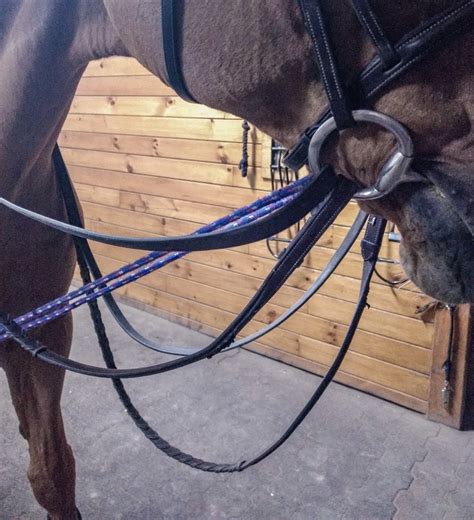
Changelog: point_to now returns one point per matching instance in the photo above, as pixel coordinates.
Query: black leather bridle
(324, 197)
(391, 61)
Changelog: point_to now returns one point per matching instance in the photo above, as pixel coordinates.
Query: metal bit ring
(395, 171)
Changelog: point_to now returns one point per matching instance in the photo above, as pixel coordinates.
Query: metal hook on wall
(280, 176)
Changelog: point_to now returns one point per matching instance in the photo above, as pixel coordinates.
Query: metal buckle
(395, 171)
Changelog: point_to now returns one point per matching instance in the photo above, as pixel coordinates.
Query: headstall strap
(414, 47)
(388, 54)
(316, 23)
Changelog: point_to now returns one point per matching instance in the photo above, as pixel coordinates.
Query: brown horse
(253, 59)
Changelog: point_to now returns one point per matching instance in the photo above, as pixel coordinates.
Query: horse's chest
(35, 262)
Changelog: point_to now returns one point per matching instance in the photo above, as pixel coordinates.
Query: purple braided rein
(149, 263)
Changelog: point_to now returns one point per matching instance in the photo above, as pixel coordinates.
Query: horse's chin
(445, 277)
(437, 248)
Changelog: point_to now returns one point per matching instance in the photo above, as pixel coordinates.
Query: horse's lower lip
(441, 281)
(455, 183)
(436, 221)
(437, 250)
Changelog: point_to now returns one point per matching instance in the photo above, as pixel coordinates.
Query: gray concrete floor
(355, 457)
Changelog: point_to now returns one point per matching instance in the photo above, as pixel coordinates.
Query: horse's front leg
(36, 392)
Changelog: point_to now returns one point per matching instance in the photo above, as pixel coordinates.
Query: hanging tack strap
(446, 390)
(244, 163)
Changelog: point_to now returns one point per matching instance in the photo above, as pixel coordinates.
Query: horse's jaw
(437, 247)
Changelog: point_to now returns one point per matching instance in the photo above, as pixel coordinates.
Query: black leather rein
(310, 196)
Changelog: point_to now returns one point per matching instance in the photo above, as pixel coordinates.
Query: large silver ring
(395, 171)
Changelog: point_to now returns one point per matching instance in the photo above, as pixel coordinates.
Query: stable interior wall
(146, 163)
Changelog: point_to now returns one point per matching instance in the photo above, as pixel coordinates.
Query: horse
(252, 59)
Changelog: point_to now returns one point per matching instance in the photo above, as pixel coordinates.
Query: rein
(321, 195)
(370, 248)
(327, 211)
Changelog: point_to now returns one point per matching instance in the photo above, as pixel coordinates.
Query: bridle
(322, 196)
(391, 61)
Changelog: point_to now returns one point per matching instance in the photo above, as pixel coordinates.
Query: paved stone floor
(355, 457)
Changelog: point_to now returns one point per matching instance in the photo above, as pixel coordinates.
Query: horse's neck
(255, 59)
(236, 56)
(44, 47)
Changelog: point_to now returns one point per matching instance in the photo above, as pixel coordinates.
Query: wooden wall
(146, 163)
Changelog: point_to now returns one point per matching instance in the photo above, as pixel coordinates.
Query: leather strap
(412, 48)
(171, 15)
(316, 23)
(84, 250)
(370, 247)
(331, 266)
(86, 257)
(285, 266)
(290, 260)
(368, 20)
(311, 195)
(417, 46)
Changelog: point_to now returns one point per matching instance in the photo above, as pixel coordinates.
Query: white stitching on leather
(438, 22)
(313, 37)
(427, 29)
(395, 73)
(326, 44)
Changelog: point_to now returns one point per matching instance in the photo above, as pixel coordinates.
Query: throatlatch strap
(171, 14)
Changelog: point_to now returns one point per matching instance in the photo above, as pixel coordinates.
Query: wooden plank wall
(146, 163)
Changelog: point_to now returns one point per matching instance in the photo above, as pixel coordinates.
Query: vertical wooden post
(460, 413)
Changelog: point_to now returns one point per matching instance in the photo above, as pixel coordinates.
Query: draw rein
(322, 195)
